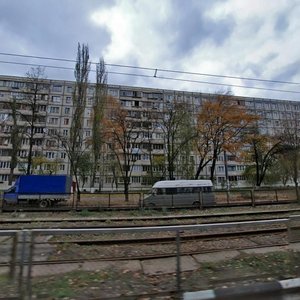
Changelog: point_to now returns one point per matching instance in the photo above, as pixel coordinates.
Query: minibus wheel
(196, 204)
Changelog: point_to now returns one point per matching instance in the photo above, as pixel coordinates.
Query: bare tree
(35, 91)
(75, 144)
(97, 118)
(16, 135)
(261, 153)
(176, 120)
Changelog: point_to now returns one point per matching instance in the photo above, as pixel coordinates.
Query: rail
(23, 244)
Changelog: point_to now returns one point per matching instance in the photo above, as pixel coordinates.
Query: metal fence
(116, 200)
(23, 245)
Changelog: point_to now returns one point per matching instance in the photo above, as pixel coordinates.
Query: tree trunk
(126, 189)
(199, 168)
(11, 175)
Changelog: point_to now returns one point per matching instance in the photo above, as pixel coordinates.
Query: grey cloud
(53, 27)
(50, 28)
(192, 27)
(282, 23)
(288, 72)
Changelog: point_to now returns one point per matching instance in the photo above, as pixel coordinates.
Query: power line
(157, 76)
(231, 85)
(156, 69)
(34, 65)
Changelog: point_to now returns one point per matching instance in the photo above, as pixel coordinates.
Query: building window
(50, 155)
(69, 90)
(135, 179)
(126, 93)
(221, 180)
(67, 110)
(88, 112)
(53, 121)
(113, 92)
(50, 143)
(56, 99)
(23, 153)
(158, 147)
(4, 177)
(68, 99)
(65, 132)
(136, 168)
(91, 90)
(232, 178)
(42, 108)
(4, 164)
(221, 169)
(145, 156)
(56, 88)
(54, 109)
(231, 168)
(66, 121)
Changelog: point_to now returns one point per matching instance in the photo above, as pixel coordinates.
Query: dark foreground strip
(253, 289)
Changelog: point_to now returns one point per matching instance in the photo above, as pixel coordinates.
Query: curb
(252, 289)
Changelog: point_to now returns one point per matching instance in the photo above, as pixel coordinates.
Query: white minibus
(181, 193)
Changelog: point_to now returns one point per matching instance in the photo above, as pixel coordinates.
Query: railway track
(109, 222)
(167, 241)
(170, 239)
(115, 241)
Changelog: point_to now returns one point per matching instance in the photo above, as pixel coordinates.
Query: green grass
(276, 263)
(67, 285)
(85, 213)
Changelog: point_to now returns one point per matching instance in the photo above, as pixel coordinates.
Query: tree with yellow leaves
(122, 133)
(220, 125)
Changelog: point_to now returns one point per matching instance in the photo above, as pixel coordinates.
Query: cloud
(50, 28)
(249, 38)
(136, 29)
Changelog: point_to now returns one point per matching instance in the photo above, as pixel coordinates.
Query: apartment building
(54, 112)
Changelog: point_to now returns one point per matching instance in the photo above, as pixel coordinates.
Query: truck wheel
(43, 203)
(196, 204)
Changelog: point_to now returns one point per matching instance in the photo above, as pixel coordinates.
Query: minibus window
(171, 191)
(206, 189)
(160, 191)
(181, 190)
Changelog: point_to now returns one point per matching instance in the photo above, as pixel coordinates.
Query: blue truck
(41, 190)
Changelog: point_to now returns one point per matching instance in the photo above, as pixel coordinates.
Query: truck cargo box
(44, 190)
(43, 184)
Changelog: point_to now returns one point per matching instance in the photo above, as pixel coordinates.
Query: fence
(23, 244)
(116, 200)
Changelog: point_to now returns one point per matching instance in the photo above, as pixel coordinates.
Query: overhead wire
(156, 75)
(154, 69)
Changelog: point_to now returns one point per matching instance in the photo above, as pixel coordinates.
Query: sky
(192, 45)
